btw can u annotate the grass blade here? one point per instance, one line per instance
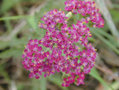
(94, 73)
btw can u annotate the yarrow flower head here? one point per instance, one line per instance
(52, 18)
(87, 9)
(64, 48)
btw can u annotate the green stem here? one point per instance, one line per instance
(43, 82)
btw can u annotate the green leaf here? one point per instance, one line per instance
(13, 43)
(4, 44)
(20, 87)
(94, 73)
(35, 84)
(13, 17)
(108, 36)
(11, 52)
(7, 4)
(7, 23)
(116, 5)
(32, 21)
(115, 15)
(110, 45)
(43, 83)
(56, 79)
(115, 85)
(39, 84)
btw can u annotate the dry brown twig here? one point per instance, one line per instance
(103, 68)
(106, 70)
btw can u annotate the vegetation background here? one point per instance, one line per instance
(19, 22)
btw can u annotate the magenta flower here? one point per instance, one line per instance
(86, 9)
(64, 48)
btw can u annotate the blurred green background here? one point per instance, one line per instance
(19, 22)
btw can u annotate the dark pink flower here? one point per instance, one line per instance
(64, 48)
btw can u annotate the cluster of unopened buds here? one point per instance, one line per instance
(64, 49)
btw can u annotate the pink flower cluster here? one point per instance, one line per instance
(86, 9)
(53, 18)
(63, 49)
